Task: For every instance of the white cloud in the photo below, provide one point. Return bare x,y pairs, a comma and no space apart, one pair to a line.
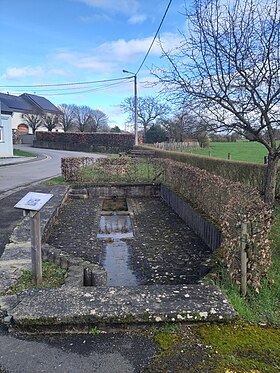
14,73
127,7
85,61
123,50
106,57
96,18
19,73
137,19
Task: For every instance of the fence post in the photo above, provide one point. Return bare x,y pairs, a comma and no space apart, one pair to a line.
244,259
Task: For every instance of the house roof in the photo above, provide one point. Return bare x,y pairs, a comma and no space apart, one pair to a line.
27,103
40,102
4,108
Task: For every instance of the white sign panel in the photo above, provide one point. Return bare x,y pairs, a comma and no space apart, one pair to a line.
33,201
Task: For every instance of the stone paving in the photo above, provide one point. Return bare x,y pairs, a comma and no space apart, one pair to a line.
163,250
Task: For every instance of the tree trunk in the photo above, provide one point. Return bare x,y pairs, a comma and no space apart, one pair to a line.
270,179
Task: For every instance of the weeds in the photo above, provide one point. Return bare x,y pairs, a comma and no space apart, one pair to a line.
53,277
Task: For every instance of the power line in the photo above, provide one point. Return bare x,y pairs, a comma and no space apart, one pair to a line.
62,84
94,81
91,89
83,91
152,43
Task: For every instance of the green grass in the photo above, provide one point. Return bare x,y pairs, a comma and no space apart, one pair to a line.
22,153
246,151
53,277
57,180
139,172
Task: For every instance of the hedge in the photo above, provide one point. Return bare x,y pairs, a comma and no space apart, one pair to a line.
85,141
244,172
226,203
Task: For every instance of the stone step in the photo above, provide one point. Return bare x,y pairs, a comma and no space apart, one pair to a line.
64,307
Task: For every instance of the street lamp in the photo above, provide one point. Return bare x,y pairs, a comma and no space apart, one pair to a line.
135,106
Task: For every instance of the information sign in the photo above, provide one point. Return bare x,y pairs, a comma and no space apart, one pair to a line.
33,201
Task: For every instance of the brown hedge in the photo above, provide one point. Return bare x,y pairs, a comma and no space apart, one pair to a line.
244,172
228,204
110,139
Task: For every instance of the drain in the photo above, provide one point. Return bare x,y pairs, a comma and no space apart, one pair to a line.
115,220
115,226
114,204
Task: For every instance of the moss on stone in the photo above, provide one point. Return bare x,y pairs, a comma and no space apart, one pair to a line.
166,340
244,348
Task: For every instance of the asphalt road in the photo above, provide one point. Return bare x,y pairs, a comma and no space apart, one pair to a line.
47,165
80,353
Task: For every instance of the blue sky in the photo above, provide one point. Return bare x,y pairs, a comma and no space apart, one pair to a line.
63,41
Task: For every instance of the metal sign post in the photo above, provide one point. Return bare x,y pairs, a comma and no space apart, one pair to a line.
32,203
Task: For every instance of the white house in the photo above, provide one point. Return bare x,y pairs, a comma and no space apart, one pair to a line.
6,136
24,104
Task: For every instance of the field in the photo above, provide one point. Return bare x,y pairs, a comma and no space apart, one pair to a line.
246,151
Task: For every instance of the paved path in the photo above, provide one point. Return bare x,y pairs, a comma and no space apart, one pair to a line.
79,353
16,173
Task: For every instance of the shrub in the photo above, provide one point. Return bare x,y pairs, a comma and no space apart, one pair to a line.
110,169
228,204
87,141
244,172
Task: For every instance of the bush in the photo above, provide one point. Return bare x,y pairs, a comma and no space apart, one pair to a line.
228,204
85,141
110,169
244,172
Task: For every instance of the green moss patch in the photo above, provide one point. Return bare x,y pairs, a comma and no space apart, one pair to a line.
166,340
244,348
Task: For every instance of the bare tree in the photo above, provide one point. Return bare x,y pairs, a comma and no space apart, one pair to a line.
149,111
99,121
33,120
82,117
50,121
228,68
67,119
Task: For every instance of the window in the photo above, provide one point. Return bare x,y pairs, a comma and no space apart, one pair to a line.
1,134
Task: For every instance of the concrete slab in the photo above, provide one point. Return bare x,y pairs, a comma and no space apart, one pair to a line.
114,305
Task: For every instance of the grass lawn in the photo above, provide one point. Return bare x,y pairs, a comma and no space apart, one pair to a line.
22,153
247,151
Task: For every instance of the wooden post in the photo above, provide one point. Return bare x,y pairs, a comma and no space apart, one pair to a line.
36,254
265,159
244,259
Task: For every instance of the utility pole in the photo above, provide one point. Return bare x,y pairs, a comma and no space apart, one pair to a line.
135,107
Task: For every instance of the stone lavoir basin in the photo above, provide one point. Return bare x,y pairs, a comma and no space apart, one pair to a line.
138,240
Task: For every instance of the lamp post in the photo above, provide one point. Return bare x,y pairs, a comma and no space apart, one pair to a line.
135,106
